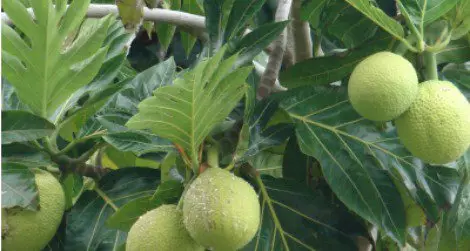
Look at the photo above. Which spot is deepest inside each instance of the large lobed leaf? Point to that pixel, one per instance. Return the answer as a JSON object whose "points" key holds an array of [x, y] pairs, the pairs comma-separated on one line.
{"points": [[293, 217], [18, 187], [86, 229], [46, 65], [21, 126], [362, 162], [188, 110]]}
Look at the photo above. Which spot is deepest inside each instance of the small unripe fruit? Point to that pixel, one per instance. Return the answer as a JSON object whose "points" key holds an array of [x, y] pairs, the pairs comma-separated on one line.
{"points": [[383, 86], [161, 229], [436, 128], [221, 211], [31, 230]]}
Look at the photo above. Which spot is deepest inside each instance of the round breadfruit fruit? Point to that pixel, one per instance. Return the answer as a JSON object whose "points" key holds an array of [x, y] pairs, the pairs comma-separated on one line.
{"points": [[161, 229], [32, 230], [383, 86], [436, 128], [221, 211]]}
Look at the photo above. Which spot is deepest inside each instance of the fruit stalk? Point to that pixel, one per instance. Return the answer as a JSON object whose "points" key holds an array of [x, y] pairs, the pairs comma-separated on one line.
{"points": [[430, 65]]}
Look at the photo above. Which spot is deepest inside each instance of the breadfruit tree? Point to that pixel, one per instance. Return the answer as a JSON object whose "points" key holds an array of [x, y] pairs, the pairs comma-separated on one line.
{"points": [[194, 125]]}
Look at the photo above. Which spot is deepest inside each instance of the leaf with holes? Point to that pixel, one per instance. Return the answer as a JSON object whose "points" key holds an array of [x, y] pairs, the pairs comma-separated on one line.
{"points": [[188, 110], [86, 229], [47, 65]]}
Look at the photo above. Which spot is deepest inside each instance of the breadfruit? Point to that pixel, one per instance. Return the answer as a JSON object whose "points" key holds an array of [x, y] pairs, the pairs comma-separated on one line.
{"points": [[161, 229], [221, 211], [26, 230], [383, 86], [436, 128]]}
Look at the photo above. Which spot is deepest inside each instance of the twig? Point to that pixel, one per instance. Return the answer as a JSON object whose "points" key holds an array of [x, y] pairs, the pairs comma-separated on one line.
{"points": [[67, 164], [301, 34], [275, 59], [70, 146]]}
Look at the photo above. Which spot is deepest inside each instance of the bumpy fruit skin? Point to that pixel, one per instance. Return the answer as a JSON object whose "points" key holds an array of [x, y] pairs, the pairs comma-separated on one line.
{"points": [[436, 128], [31, 230], [221, 211], [383, 86], [161, 229]]}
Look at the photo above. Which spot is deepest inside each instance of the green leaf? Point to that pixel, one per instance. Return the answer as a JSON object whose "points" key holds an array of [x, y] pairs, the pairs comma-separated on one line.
{"points": [[166, 193], [10, 100], [459, 74], [267, 163], [131, 13], [166, 31], [375, 14], [138, 142], [459, 18], [337, 22], [19, 187], [21, 126], [295, 164], [141, 87], [214, 25], [255, 41], [188, 40], [458, 51], [311, 11], [423, 12], [72, 185], [65, 65], [324, 70], [188, 110], [22, 154], [354, 155], [242, 11], [296, 218], [86, 229]]}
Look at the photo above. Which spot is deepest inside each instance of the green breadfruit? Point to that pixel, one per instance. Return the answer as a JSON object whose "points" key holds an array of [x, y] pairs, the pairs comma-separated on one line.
{"points": [[221, 211], [25, 230], [436, 128], [161, 229], [383, 86]]}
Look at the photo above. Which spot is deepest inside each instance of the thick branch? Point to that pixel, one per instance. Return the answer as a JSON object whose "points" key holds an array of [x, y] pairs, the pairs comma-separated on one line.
{"points": [[157, 15], [273, 67], [301, 34]]}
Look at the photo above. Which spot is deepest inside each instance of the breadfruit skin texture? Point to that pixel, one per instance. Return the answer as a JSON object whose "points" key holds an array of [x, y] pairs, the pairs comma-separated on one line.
{"points": [[436, 128], [221, 211], [383, 86], [32, 230], [161, 229]]}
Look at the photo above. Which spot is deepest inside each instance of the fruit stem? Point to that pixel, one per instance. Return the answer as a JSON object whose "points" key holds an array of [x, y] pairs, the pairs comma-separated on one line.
{"points": [[213, 155], [430, 65]]}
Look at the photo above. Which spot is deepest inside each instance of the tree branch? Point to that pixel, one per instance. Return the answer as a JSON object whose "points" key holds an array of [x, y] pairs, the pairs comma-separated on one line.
{"points": [[268, 80], [67, 164], [301, 34], [157, 15]]}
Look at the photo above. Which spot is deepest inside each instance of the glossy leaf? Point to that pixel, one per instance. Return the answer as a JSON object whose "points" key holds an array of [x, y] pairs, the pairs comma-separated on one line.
{"points": [[295, 164], [241, 12], [355, 167], [187, 111], [188, 40], [21, 154], [214, 23], [166, 193], [324, 70], [424, 12], [138, 142], [166, 31], [140, 87], [297, 218], [19, 187], [311, 12], [379, 17], [10, 100], [255, 41], [86, 229], [457, 51], [459, 74], [64, 70], [21, 126]]}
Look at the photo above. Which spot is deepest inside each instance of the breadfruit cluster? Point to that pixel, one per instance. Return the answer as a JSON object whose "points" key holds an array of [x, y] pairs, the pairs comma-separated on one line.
{"points": [[432, 118], [221, 212], [32, 230]]}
